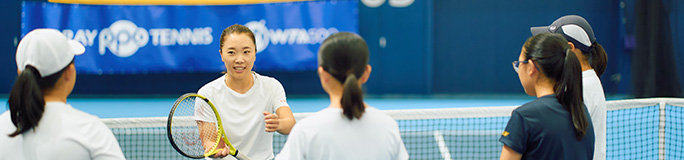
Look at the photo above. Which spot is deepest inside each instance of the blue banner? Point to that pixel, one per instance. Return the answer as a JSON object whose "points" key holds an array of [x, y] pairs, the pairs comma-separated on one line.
{"points": [[123, 39]]}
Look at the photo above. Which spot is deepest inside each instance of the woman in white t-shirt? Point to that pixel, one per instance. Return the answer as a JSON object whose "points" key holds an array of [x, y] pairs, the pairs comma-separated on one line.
{"points": [[246, 100], [348, 128], [39, 123], [593, 60]]}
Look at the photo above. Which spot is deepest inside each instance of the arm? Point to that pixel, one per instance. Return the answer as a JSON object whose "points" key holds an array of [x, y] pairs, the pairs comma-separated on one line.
{"points": [[208, 134], [509, 154], [294, 147], [104, 145], [282, 121], [206, 130]]}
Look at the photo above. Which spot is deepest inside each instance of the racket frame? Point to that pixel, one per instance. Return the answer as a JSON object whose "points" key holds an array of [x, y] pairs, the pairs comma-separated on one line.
{"points": [[220, 130]]}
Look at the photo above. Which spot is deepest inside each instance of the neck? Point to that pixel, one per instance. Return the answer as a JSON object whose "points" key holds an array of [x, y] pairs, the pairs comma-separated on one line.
{"points": [[54, 96], [584, 61], [544, 88], [239, 85], [335, 94], [585, 66]]}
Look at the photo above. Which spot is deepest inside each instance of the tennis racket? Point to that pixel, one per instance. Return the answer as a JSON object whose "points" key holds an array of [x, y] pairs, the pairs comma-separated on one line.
{"points": [[195, 130]]}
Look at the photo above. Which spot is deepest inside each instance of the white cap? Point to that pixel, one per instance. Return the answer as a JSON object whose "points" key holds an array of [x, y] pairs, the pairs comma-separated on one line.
{"points": [[48, 50]]}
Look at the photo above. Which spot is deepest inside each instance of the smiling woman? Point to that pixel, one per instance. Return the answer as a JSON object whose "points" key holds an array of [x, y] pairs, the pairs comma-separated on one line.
{"points": [[256, 104], [171, 2]]}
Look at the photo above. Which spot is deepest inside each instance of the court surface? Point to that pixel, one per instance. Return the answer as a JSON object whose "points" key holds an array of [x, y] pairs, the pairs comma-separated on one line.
{"points": [[160, 107]]}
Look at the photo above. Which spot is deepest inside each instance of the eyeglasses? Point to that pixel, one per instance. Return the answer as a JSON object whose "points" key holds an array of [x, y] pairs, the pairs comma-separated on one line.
{"points": [[517, 63]]}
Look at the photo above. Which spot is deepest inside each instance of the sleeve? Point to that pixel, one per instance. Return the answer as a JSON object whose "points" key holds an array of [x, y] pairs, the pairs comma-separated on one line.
{"points": [[293, 148], [104, 144], [402, 153], [515, 135], [278, 98]]}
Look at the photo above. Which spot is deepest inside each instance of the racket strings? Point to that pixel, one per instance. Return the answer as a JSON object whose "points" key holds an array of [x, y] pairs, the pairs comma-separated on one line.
{"points": [[192, 121]]}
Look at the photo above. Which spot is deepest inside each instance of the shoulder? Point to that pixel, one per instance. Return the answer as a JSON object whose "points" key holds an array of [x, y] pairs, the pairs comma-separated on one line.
{"points": [[80, 123], [537, 106], [81, 119], [319, 120], [73, 113], [212, 86], [379, 116], [10, 145], [590, 79], [266, 80], [321, 117], [6, 126]]}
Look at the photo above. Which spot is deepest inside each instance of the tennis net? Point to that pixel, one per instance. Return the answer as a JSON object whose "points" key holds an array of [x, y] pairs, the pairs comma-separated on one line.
{"points": [[636, 129]]}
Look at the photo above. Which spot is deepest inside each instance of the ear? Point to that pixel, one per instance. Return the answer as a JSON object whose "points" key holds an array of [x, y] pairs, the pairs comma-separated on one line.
{"points": [[69, 72], [532, 69], [323, 75], [575, 50], [18, 72], [366, 74], [572, 46]]}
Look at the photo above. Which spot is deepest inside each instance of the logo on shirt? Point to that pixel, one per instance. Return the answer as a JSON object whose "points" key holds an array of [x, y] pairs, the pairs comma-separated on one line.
{"points": [[505, 133]]}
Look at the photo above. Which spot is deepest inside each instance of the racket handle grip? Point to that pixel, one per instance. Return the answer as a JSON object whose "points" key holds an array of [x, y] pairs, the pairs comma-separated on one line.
{"points": [[241, 156]]}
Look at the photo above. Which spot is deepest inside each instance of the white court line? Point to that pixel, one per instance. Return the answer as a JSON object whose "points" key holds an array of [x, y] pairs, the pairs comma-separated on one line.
{"points": [[442, 146]]}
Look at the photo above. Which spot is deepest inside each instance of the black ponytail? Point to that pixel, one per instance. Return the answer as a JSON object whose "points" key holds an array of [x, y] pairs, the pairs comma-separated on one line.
{"points": [[551, 52], [345, 56], [352, 98], [599, 59], [26, 103], [569, 93]]}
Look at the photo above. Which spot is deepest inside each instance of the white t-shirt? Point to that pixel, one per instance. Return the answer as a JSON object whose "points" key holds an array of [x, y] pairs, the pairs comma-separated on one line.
{"points": [[595, 101], [242, 114], [63, 133], [327, 134]]}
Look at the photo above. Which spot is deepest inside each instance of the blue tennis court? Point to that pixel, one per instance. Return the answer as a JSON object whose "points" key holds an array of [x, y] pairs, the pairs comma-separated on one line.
{"points": [[160, 107]]}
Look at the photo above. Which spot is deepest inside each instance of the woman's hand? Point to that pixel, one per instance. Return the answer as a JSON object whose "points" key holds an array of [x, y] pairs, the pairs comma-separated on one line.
{"points": [[272, 122]]}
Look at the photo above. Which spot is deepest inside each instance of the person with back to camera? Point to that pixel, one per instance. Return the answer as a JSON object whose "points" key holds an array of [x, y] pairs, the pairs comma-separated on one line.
{"points": [[39, 123], [349, 128], [556, 125], [593, 60], [248, 98]]}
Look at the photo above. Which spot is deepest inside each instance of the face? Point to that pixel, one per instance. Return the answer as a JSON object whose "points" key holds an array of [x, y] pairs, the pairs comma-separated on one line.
{"points": [[238, 55], [525, 74]]}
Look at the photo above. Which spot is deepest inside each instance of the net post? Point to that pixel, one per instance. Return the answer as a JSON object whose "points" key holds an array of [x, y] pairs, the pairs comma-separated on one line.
{"points": [[661, 131]]}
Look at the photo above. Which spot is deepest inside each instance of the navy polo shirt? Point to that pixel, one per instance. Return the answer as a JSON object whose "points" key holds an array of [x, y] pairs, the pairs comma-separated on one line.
{"points": [[543, 129]]}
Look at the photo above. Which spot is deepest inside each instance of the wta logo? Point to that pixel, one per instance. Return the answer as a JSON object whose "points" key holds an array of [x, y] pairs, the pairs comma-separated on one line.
{"points": [[288, 36], [124, 38]]}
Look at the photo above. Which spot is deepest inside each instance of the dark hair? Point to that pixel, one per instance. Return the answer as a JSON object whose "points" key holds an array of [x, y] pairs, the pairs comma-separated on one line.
{"points": [[598, 59], [26, 101], [345, 55], [551, 53], [236, 28]]}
